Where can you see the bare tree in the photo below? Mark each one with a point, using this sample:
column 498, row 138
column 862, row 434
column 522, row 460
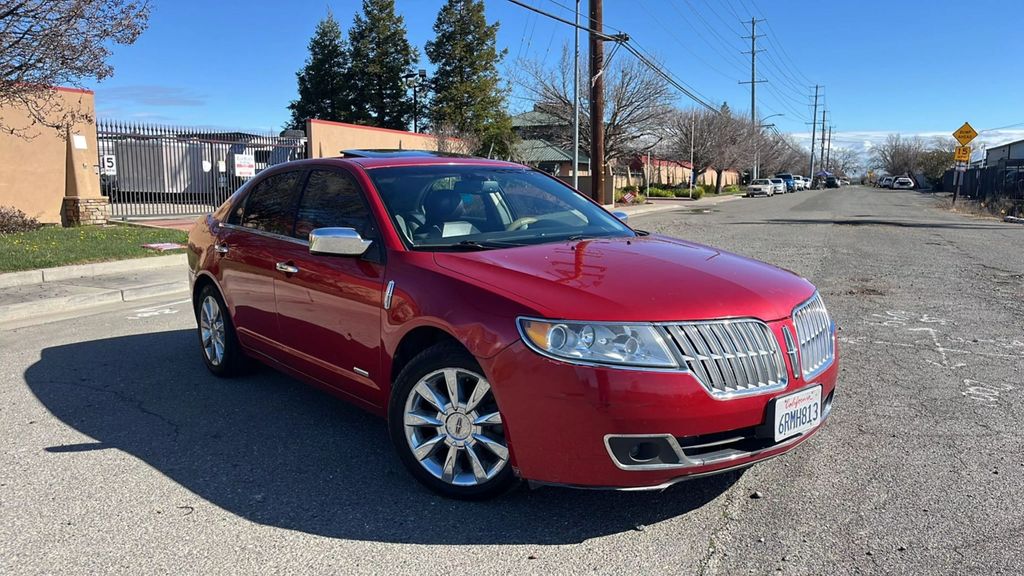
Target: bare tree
column 47, row 43
column 720, row 140
column 781, row 153
column 637, row 103
column 845, row 161
column 898, row 155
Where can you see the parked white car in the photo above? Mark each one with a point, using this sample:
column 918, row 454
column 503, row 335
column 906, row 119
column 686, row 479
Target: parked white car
column 780, row 185
column 761, row 186
column 902, row 183
column 801, row 183
column 885, row 182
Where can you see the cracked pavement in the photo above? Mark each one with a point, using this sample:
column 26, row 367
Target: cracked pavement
column 120, row 454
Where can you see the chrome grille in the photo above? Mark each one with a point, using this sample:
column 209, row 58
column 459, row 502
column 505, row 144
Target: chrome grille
column 814, row 331
column 731, row 357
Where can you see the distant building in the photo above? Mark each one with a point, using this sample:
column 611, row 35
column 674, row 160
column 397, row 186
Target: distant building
column 548, row 157
column 1008, row 151
column 538, row 132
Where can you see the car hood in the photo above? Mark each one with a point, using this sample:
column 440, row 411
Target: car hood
column 649, row 278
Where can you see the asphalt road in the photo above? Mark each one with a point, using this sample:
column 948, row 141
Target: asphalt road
column 120, row 454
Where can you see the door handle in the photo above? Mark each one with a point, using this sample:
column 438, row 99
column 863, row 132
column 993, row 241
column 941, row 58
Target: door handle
column 287, row 268
column 221, row 249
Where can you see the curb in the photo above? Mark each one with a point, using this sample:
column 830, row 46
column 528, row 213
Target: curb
column 23, row 310
column 659, row 206
column 88, row 270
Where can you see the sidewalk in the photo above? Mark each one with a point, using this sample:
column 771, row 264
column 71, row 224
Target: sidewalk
column 661, row 204
column 37, row 292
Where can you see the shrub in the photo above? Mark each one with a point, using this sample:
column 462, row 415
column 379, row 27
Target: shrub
column 659, row 193
column 732, row 189
column 698, row 192
column 13, row 220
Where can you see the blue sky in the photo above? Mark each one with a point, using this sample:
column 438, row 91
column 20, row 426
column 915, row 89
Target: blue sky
column 921, row 67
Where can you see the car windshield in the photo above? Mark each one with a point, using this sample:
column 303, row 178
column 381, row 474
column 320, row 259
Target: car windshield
column 761, row 182
column 452, row 207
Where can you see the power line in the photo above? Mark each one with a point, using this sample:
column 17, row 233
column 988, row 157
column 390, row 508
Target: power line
column 630, row 46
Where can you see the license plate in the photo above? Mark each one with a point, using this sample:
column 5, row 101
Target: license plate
column 797, row 412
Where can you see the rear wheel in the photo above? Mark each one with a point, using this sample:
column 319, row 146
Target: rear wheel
column 444, row 421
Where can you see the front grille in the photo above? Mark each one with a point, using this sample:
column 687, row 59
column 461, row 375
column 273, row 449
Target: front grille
column 731, row 357
column 814, row 330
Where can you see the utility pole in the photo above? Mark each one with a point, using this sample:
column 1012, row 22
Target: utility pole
column 693, row 127
column 597, row 102
column 828, row 154
column 814, row 124
column 753, row 86
column 823, row 139
column 576, row 104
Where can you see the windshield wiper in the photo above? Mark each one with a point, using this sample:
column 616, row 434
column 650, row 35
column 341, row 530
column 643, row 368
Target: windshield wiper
column 470, row 245
column 641, row 232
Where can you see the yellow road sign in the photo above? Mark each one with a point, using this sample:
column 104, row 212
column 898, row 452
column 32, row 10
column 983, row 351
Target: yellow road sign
column 962, row 154
column 965, row 134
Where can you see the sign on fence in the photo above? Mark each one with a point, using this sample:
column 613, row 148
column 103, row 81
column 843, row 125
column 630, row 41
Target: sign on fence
column 245, row 165
column 108, row 165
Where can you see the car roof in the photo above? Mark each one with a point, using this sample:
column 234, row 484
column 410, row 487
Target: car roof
column 382, row 160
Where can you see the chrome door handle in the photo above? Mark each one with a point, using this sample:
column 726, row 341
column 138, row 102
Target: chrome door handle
column 287, row 268
column 221, row 249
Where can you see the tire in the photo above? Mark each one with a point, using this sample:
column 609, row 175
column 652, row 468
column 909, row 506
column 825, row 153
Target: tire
column 213, row 318
column 457, row 449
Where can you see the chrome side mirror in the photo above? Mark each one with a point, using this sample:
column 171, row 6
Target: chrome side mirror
column 622, row 216
column 337, row 242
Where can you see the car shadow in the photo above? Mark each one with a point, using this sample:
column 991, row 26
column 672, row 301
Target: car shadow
column 880, row 222
column 275, row 451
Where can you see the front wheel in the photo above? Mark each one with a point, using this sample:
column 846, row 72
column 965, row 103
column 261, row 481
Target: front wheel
column 445, row 423
column 217, row 339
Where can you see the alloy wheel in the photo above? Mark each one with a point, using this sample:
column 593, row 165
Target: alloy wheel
column 454, row 429
column 211, row 330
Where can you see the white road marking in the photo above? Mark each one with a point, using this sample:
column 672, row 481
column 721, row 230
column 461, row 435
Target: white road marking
column 158, row 310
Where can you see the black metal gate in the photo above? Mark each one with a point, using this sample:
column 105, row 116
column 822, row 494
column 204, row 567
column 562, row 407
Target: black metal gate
column 156, row 170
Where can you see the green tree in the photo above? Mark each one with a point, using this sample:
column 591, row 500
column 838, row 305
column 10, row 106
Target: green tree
column 323, row 90
column 468, row 99
column 381, row 55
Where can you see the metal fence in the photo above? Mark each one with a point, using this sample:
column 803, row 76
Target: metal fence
column 156, row 170
column 1001, row 184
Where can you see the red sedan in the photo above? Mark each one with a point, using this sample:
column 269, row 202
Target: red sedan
column 507, row 327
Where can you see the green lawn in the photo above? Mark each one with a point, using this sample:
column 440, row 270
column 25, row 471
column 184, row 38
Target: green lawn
column 55, row 246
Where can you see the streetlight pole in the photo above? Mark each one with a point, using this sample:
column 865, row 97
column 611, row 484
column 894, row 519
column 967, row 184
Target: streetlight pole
column 757, row 144
column 414, row 80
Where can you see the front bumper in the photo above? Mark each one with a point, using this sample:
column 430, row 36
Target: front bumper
column 559, row 418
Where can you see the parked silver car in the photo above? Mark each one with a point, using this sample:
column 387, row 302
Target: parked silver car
column 780, row 185
column 761, row 186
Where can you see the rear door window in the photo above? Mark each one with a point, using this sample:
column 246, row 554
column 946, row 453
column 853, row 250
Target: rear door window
column 270, row 207
column 334, row 199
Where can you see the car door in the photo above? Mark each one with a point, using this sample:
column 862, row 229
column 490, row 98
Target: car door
column 247, row 248
column 329, row 307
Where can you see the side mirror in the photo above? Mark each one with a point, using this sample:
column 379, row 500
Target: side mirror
column 337, row 242
column 622, row 216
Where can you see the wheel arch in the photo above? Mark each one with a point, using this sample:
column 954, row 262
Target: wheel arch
column 417, row 340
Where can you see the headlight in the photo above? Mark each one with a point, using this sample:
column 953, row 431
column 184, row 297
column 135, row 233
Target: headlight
column 598, row 343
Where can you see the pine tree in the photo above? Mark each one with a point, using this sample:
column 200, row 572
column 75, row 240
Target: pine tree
column 323, row 90
column 381, row 55
column 468, row 97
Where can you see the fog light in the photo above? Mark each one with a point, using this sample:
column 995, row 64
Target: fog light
column 644, row 451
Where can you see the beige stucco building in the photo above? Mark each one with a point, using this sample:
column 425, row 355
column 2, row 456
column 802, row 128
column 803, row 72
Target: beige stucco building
column 53, row 176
